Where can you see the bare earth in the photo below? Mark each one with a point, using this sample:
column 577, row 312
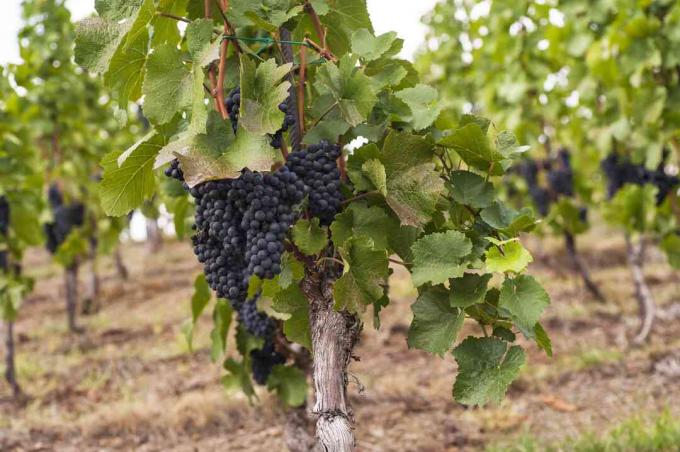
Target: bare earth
column 129, row 382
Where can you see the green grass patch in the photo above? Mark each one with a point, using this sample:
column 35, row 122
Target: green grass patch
column 636, row 434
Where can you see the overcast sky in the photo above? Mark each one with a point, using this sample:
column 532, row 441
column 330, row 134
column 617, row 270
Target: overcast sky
column 402, row 16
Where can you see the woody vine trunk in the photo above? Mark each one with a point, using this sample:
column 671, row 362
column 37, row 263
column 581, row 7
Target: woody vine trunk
column 334, row 334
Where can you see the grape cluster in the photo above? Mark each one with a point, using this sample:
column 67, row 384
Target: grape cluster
column 317, row 167
column 288, row 121
column 174, row 171
column 241, row 225
column 620, row 172
column 559, row 175
column 66, row 217
column 233, row 104
column 263, row 361
column 4, row 229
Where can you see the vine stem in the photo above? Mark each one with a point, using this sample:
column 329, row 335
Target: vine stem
column 173, row 16
column 359, row 196
column 221, row 69
column 301, row 91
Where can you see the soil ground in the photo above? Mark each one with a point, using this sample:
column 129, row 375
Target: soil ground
column 129, row 382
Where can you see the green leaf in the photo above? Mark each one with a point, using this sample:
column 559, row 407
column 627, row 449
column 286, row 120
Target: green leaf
column 126, row 185
column 292, row 301
column 360, row 220
column 424, row 105
column 199, row 34
column 435, row 323
column 504, row 333
column 289, row 383
column 355, row 163
column 375, row 172
column 217, row 154
column 413, row 184
column 238, row 378
column 472, row 145
column 438, row 257
column 370, row 47
column 498, row 215
column 309, row 237
column 471, row 189
column 97, row 40
column 469, row 289
column 262, row 90
column 364, row 278
column 342, row 19
column 221, row 320
column 117, row 9
column 633, row 208
column 201, row 296
column 509, row 256
column 167, row 85
column 542, row 339
column 142, row 17
column 525, row 300
column 327, row 129
column 125, row 72
column 507, row 144
column 349, row 87
column 671, row 246
column 486, row 367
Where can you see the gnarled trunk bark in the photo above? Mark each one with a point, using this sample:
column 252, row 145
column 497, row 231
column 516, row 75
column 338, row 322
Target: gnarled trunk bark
column 10, row 368
column 121, row 269
column 646, row 305
column 334, row 334
column 580, row 267
column 71, row 285
column 154, row 238
column 91, row 302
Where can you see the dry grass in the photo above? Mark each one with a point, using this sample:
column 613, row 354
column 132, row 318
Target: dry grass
column 130, row 384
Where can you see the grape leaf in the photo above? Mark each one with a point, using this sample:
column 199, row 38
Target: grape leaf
column 413, row 185
column 370, row 47
column 542, row 339
column 221, row 320
column 424, row 105
column 471, row 143
column 342, row 19
column 125, row 72
column 309, row 237
column 290, row 384
column 671, row 246
column 469, row 289
column 199, row 34
column 238, row 378
column 375, row 172
column 360, row 220
column 524, row 299
column 126, row 184
column 512, row 258
column 349, row 87
column 364, row 278
column 97, row 40
column 261, row 93
column 435, row 323
column 438, row 257
column 292, row 301
column 471, row 189
column 486, row 367
column 117, row 9
column 167, row 86
column 355, row 163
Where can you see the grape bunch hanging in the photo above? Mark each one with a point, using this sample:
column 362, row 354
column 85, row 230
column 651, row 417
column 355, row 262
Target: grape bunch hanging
column 621, row 171
column 242, row 225
column 559, row 175
column 66, row 217
column 4, row 230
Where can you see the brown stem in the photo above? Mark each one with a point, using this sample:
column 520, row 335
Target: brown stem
column 360, row 196
column 342, row 167
column 71, row 284
column 320, row 30
column 121, row 269
column 301, row 91
column 580, row 267
column 327, row 54
column 334, row 334
column 228, row 29
column 213, row 88
column 10, row 368
column 646, row 305
column 173, row 16
column 284, row 149
column 207, row 9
